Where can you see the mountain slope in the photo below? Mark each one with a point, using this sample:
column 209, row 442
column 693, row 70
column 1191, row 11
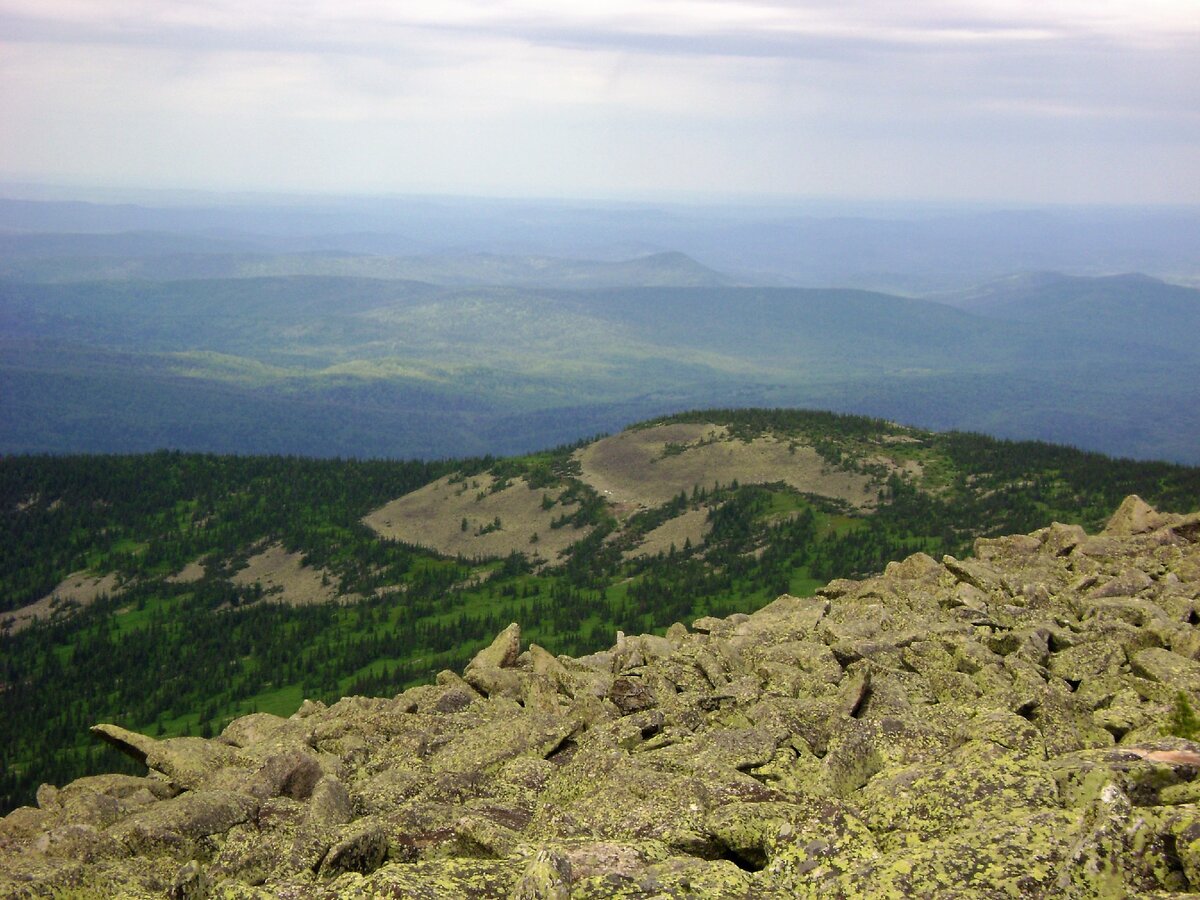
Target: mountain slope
column 67, row 258
column 1133, row 312
column 205, row 570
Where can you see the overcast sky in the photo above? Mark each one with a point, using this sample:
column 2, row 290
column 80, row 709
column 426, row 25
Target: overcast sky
column 994, row 100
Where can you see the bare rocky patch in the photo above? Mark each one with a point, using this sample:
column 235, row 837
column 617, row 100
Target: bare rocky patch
column 189, row 574
column 691, row 526
column 76, row 590
column 434, row 517
column 285, row 578
column 649, row 466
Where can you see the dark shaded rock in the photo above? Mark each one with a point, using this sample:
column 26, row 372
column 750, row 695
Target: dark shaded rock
column 291, row 773
column 191, row 883
column 362, row 847
column 631, row 695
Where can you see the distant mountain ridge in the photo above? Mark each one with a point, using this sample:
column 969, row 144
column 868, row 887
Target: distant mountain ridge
column 1132, row 308
column 913, row 248
column 163, row 256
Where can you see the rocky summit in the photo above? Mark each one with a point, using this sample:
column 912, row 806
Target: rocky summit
column 1013, row 724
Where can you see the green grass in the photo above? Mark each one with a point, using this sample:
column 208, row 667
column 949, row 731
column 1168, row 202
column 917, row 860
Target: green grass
column 281, row 701
column 837, row 525
column 782, row 503
column 801, row 585
column 139, row 616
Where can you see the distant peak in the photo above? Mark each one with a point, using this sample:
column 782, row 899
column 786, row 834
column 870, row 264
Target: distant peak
column 674, row 257
column 1134, row 278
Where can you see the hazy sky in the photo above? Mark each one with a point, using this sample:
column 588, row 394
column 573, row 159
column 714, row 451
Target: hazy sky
column 1012, row 100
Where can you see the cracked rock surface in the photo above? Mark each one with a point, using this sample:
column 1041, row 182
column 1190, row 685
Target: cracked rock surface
column 993, row 726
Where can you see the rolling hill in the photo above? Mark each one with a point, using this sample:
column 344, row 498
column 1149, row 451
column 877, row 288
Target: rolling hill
column 335, row 365
column 1131, row 312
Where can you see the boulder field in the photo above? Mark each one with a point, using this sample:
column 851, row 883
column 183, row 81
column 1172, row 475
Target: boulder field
column 999, row 726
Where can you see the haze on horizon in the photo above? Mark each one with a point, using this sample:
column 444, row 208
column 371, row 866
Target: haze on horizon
column 1067, row 101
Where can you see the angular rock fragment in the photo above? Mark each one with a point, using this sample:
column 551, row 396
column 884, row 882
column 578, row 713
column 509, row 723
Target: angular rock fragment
column 173, row 826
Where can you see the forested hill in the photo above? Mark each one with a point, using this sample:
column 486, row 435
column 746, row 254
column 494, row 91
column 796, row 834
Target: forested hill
column 170, row 592
column 341, row 364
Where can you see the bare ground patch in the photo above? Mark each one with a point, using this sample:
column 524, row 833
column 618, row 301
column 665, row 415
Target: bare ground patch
column 433, row 517
column 692, row 525
column 189, row 574
column 286, row 579
column 76, row 590
column 650, row 466
column 907, row 468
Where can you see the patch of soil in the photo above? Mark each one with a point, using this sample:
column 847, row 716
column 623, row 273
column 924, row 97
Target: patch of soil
column 76, row 590
column 189, row 574
column 692, row 525
column 650, row 466
column 285, row 579
column 433, row 516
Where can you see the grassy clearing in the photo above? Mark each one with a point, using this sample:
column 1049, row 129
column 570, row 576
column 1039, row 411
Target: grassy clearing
column 139, row 616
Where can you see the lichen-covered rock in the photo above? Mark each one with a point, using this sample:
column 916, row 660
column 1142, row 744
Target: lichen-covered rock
column 1167, row 668
column 189, row 763
column 175, row 825
column 678, row 877
column 1134, row 516
column 981, row 727
column 795, row 841
column 978, row 782
column 435, row 879
column 548, row 877
column 501, row 653
column 263, row 730
column 1016, row 856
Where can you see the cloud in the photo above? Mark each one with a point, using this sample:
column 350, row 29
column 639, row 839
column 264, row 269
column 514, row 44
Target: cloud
column 605, row 96
column 728, row 27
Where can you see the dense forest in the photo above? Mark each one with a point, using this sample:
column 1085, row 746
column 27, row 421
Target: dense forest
column 171, row 656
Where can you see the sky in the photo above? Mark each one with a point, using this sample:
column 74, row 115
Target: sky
column 1031, row 101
